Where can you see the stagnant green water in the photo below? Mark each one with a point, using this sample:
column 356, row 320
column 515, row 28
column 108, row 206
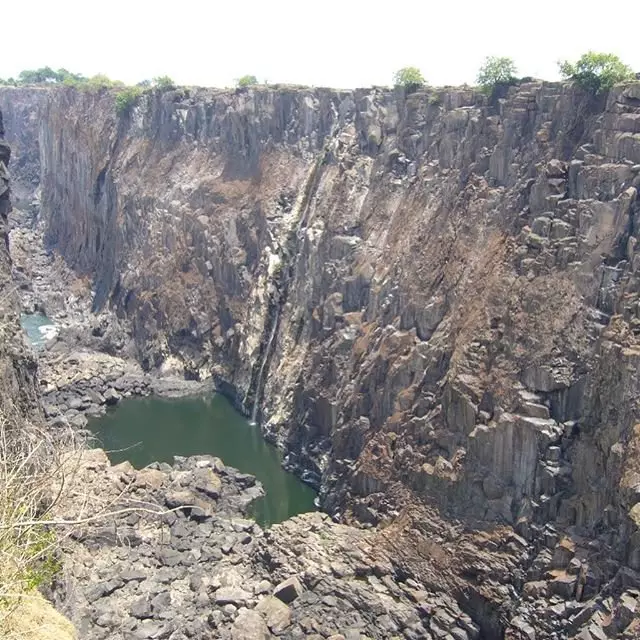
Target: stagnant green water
column 144, row 430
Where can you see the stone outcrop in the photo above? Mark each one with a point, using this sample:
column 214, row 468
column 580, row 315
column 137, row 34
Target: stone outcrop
column 428, row 298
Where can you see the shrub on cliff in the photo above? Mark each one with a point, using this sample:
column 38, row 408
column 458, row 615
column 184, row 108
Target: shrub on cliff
column 100, row 81
column 496, row 71
column 410, row 78
column 127, row 98
column 596, row 72
column 246, row 81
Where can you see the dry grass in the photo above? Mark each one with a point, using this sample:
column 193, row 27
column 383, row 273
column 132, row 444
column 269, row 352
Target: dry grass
column 33, row 477
column 33, row 617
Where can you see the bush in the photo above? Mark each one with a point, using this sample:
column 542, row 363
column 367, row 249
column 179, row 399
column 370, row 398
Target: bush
column 496, row 71
column 246, row 81
column 127, row 98
column 408, row 77
column 100, row 81
column 596, row 72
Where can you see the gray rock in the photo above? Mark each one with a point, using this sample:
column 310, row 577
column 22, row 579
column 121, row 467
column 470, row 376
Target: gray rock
column 232, row 595
column 141, row 608
column 277, row 614
column 288, row 590
column 111, row 396
column 249, row 625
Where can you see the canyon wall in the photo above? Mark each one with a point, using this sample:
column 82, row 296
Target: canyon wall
column 431, row 297
column 17, row 364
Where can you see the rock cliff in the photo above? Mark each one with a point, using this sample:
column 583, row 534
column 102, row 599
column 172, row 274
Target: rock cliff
column 425, row 299
column 17, row 364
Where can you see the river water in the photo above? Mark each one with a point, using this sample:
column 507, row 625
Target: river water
column 144, row 430
column 38, row 327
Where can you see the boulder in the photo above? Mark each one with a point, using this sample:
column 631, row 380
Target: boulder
column 209, row 483
column 249, row 625
column 112, row 397
column 276, row 613
column 288, row 590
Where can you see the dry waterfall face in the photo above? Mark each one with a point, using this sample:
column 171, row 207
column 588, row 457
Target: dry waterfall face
column 432, row 302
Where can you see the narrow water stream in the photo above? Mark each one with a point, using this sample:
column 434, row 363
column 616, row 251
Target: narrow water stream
column 144, row 430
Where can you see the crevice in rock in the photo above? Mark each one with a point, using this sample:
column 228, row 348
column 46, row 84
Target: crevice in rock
column 288, row 256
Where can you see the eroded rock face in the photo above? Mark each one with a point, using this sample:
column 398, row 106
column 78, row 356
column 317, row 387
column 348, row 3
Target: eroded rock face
column 17, row 365
column 432, row 297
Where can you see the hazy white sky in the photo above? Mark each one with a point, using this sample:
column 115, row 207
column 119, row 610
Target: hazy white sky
column 339, row 43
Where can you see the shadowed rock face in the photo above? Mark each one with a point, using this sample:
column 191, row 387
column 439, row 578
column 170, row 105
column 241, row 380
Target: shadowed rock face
column 452, row 286
column 17, row 366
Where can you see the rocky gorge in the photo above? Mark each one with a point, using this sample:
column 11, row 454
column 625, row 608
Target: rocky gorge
column 429, row 301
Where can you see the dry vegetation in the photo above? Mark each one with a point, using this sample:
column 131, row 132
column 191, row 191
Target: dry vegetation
column 34, row 474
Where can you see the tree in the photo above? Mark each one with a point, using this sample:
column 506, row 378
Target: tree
column 596, row 72
column 37, row 76
column 68, row 78
column 246, row 81
column 409, row 78
column 163, row 82
column 496, row 71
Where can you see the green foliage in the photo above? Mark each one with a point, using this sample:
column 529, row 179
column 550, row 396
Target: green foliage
column 46, row 75
column 596, row 72
column 37, row 76
column 100, row 81
column 126, row 98
column 408, row 77
column 496, row 71
column 246, row 81
column 163, row 82
column 43, row 565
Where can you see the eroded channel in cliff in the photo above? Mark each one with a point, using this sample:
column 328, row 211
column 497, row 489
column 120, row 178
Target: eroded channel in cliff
column 152, row 429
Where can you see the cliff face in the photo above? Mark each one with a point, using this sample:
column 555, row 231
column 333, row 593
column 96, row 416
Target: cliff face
column 432, row 296
column 17, row 365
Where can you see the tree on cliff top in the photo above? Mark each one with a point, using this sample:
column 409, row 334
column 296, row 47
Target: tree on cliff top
column 596, row 72
column 163, row 82
column 46, row 75
column 408, row 77
column 246, row 81
column 496, row 71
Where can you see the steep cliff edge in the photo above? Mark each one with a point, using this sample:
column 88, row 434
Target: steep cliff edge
column 432, row 297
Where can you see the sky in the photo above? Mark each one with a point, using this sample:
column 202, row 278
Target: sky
column 336, row 43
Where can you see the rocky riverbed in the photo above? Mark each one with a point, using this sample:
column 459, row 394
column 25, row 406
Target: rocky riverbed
column 205, row 571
